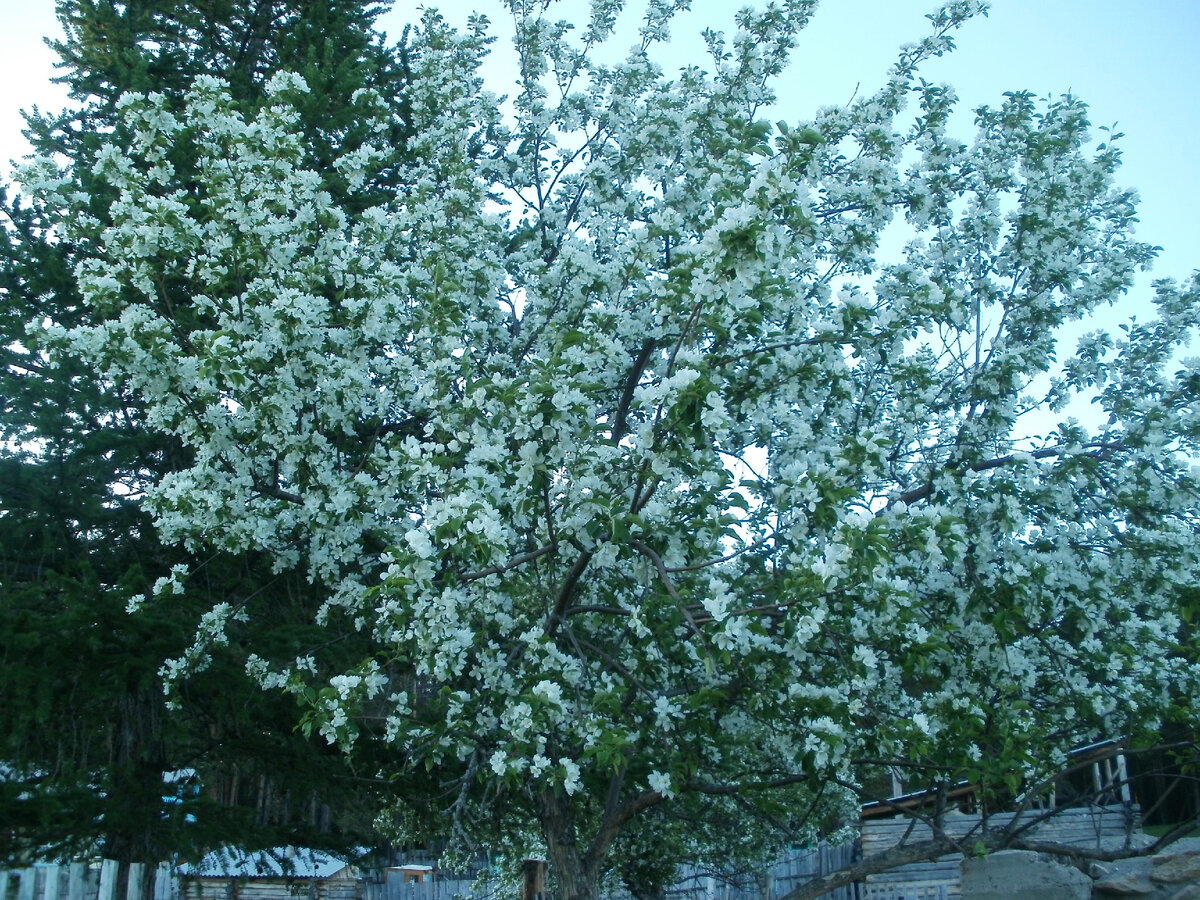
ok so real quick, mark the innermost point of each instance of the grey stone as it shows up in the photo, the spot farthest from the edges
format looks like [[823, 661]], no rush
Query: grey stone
[[1188, 892], [1022, 875], [1177, 868], [1129, 884]]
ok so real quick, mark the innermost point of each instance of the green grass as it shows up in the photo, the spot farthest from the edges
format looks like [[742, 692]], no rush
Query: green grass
[[1160, 830]]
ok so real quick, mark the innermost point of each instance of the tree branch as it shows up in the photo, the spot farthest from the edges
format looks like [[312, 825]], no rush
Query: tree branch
[[1099, 450], [567, 590], [665, 577], [510, 564], [620, 426]]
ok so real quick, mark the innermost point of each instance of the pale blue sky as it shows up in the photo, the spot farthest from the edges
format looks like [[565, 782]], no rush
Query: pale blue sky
[[1135, 64]]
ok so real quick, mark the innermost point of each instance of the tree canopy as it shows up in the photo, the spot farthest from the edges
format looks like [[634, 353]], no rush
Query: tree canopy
[[657, 485]]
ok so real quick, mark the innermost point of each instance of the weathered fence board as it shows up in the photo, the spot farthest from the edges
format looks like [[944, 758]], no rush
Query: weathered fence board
[[28, 884], [905, 892], [1085, 825], [77, 881], [432, 889], [166, 887], [109, 870]]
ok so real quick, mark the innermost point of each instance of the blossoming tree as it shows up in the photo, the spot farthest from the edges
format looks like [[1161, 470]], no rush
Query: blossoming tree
[[654, 485]]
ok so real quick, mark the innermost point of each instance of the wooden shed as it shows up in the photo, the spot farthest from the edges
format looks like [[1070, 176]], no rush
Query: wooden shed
[[281, 873]]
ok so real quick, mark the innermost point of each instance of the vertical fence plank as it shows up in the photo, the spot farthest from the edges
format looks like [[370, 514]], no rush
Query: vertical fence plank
[[50, 884], [134, 888], [164, 884], [109, 870], [28, 881], [77, 881]]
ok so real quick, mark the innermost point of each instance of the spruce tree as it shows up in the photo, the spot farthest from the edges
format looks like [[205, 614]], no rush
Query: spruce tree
[[87, 738]]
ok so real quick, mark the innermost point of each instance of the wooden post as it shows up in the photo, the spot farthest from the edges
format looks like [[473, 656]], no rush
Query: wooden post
[[533, 885], [110, 869], [1123, 776]]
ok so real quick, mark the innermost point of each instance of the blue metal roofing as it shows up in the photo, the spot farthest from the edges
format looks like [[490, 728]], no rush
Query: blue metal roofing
[[277, 862]]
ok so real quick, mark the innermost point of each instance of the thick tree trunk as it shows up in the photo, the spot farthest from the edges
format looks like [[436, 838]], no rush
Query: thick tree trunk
[[137, 761], [644, 890], [575, 870]]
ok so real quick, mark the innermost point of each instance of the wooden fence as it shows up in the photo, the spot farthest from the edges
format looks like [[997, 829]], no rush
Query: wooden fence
[[440, 888], [1089, 826], [692, 882], [81, 881]]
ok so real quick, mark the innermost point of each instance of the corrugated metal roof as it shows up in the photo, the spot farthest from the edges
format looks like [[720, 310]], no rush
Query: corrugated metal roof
[[277, 862]]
